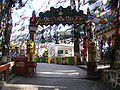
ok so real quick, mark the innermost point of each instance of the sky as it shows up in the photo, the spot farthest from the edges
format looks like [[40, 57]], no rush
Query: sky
[[21, 16]]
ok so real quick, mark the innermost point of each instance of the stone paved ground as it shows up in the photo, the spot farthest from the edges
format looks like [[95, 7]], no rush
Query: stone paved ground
[[55, 70], [54, 77]]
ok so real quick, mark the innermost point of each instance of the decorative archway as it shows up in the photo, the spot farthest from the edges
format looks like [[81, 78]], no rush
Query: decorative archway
[[56, 16]]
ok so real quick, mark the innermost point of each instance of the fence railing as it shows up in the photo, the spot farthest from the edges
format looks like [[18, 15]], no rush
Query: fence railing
[[57, 60], [6, 73]]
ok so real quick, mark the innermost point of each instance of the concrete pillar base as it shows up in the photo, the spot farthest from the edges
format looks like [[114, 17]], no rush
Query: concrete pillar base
[[91, 68]]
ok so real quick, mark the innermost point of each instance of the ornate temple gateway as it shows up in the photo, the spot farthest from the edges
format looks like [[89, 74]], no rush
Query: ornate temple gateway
[[61, 16], [58, 16]]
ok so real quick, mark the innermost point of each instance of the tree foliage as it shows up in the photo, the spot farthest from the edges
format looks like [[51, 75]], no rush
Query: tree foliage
[[113, 4]]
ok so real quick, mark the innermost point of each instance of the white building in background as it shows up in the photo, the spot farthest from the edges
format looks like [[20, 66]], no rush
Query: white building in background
[[61, 50]]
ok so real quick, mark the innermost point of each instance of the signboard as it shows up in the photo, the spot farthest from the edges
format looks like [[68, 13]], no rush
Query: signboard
[[61, 16]]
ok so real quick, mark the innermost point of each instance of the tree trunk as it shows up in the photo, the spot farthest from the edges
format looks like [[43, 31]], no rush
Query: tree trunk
[[6, 34]]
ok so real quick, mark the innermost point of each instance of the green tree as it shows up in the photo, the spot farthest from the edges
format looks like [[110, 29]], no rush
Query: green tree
[[115, 7], [6, 24]]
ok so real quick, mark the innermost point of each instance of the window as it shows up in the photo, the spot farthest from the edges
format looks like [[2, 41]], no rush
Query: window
[[66, 51], [60, 51]]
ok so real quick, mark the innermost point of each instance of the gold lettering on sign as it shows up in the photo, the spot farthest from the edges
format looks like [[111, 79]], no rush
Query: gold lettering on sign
[[53, 19], [46, 19], [65, 19], [68, 18], [60, 18]]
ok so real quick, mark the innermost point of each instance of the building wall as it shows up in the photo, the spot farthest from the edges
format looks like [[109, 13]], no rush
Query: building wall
[[56, 49]]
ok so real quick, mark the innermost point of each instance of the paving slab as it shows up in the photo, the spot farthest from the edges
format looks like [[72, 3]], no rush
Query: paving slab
[[56, 70], [53, 77]]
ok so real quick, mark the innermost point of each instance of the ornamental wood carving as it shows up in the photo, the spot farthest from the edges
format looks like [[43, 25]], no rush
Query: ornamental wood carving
[[61, 16]]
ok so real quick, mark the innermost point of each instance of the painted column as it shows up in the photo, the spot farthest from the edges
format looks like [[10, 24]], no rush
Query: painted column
[[117, 41], [72, 51], [56, 51], [91, 64], [91, 44], [31, 43], [30, 50], [76, 44]]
